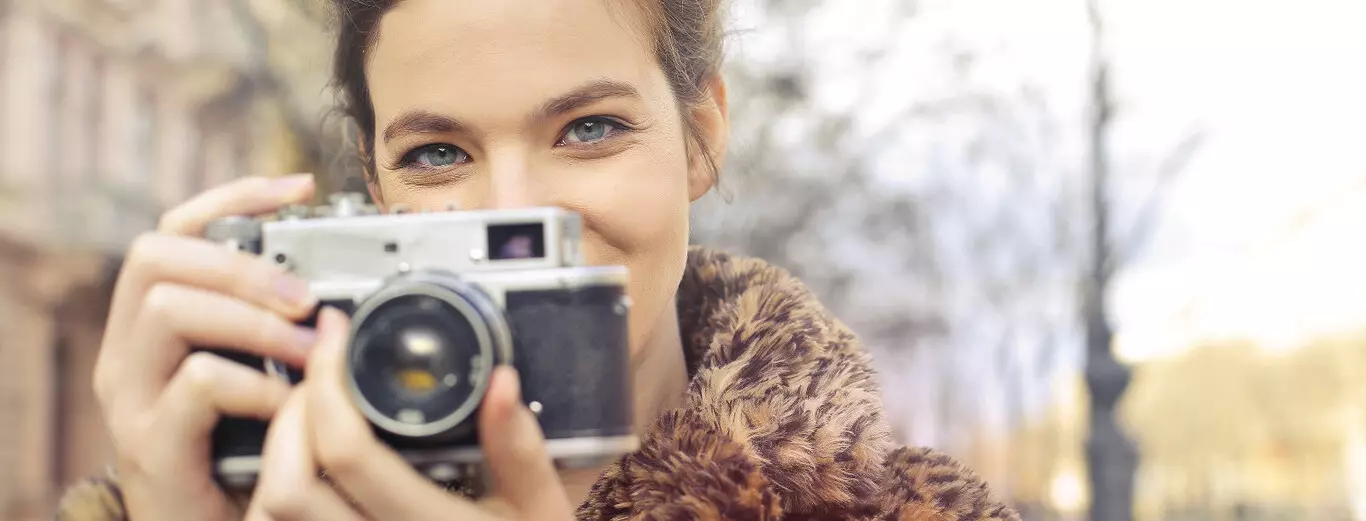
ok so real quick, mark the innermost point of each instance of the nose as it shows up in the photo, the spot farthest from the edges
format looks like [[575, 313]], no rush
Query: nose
[[510, 183]]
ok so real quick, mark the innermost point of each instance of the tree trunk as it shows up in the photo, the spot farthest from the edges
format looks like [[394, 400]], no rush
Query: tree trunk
[[1112, 459], [1111, 456]]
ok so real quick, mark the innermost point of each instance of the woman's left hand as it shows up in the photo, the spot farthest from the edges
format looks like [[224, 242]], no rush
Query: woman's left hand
[[320, 429]]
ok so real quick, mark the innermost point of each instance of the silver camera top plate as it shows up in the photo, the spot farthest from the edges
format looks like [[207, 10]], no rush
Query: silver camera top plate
[[370, 246]]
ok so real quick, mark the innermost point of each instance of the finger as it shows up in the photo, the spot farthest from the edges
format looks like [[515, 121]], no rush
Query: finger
[[371, 473], [515, 450], [157, 258], [204, 389], [155, 255], [175, 317], [204, 318], [498, 507], [246, 196], [288, 488]]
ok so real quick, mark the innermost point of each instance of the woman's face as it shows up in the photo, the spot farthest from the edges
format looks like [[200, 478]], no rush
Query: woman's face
[[520, 103]]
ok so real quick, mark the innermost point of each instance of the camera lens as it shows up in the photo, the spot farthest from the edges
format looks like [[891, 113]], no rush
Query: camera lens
[[421, 362], [421, 354], [419, 349]]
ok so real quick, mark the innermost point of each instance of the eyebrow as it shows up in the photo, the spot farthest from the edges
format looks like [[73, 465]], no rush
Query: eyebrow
[[586, 94], [427, 122], [421, 122]]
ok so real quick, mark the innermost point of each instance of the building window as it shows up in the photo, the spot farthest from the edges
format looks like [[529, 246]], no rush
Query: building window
[[143, 136], [58, 92], [197, 167], [59, 99], [94, 120], [139, 200]]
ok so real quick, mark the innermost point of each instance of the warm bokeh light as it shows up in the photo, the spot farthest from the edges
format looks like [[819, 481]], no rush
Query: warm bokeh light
[[1068, 493]]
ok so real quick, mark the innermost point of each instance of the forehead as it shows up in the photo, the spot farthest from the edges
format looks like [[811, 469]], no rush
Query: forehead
[[452, 48]]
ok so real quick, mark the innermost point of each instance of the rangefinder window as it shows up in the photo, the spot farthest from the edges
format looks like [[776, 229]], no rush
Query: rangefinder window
[[516, 241]]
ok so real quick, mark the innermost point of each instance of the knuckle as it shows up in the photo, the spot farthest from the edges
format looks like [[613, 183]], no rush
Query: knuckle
[[169, 219], [160, 301], [104, 380], [99, 382], [340, 453], [143, 251], [104, 392], [282, 501], [198, 373]]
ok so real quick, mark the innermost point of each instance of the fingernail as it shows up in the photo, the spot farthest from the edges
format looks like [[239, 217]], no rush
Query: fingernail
[[292, 290], [305, 338], [293, 182]]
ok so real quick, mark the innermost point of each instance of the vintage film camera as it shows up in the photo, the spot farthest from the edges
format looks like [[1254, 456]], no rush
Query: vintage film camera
[[437, 300]]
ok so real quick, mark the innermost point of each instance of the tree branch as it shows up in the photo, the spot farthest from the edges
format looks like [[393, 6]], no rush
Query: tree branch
[[1306, 215], [1145, 220], [1101, 119]]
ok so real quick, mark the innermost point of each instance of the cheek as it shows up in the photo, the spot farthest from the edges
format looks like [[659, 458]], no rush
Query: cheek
[[640, 220]]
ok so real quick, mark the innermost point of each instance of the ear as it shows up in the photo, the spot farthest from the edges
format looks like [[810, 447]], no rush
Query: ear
[[713, 121]]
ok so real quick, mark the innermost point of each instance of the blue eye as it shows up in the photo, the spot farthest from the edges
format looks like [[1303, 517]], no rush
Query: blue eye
[[589, 130], [436, 156]]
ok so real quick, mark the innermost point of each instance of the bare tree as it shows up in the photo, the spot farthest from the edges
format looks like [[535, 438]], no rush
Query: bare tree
[[1111, 454]]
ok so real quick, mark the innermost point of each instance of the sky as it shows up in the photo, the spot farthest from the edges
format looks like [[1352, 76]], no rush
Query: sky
[[1255, 237], [1260, 236]]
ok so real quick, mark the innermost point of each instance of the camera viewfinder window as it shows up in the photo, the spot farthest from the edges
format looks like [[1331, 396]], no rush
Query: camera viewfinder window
[[516, 241]]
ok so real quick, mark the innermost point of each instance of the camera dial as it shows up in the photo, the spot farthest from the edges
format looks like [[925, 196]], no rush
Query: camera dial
[[293, 212], [421, 353], [345, 204]]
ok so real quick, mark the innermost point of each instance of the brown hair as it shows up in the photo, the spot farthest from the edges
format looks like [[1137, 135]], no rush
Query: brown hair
[[687, 36]]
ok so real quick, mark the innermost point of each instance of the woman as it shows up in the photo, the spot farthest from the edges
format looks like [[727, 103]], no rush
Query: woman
[[752, 401]]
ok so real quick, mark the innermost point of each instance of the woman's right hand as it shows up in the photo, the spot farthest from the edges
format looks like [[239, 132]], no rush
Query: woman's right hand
[[177, 290]]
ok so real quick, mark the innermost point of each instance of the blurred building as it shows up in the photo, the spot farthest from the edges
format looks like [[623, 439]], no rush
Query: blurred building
[[113, 110]]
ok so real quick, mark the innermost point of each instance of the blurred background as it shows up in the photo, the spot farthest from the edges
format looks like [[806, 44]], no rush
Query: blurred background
[[1107, 252]]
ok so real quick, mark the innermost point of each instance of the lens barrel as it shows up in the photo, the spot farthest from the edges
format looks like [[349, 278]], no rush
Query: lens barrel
[[421, 353]]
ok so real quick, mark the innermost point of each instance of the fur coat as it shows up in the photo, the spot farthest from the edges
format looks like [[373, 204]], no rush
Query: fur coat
[[782, 421]]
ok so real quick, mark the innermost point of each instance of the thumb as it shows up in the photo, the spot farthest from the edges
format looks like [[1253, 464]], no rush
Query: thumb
[[515, 450]]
